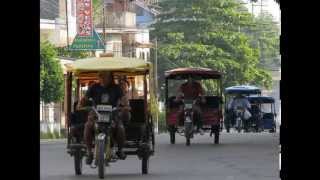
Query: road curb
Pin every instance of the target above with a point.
(42, 141)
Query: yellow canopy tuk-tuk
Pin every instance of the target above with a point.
(139, 132)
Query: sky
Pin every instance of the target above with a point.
(270, 6)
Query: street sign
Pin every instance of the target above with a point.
(87, 43)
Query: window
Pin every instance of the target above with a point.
(143, 55)
(148, 56)
(117, 48)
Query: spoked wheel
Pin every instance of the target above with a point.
(78, 162)
(145, 165)
(100, 158)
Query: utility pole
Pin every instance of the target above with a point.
(261, 4)
(104, 27)
(252, 8)
(156, 78)
(156, 67)
(67, 23)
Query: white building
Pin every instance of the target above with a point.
(53, 21)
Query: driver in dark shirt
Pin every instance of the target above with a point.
(105, 92)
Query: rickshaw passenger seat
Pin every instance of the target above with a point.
(137, 111)
(134, 129)
(212, 102)
(268, 116)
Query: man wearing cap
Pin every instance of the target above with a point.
(105, 92)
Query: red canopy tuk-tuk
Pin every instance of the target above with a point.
(211, 110)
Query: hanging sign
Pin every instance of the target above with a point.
(87, 43)
(84, 18)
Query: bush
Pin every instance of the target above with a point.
(50, 135)
(51, 74)
(43, 135)
(56, 134)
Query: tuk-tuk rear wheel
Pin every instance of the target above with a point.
(145, 164)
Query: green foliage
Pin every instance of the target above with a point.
(50, 135)
(264, 35)
(162, 126)
(204, 33)
(51, 74)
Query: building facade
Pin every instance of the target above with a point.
(127, 35)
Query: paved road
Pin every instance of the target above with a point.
(238, 157)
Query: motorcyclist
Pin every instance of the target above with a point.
(105, 92)
(192, 90)
(238, 102)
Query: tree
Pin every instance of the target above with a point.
(205, 33)
(265, 36)
(51, 74)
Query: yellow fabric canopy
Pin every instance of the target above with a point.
(96, 64)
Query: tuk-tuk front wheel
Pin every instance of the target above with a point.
(101, 160)
(77, 162)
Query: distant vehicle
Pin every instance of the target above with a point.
(268, 112)
(236, 119)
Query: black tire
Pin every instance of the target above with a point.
(145, 165)
(153, 141)
(188, 141)
(216, 137)
(239, 129)
(101, 160)
(172, 136)
(77, 162)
